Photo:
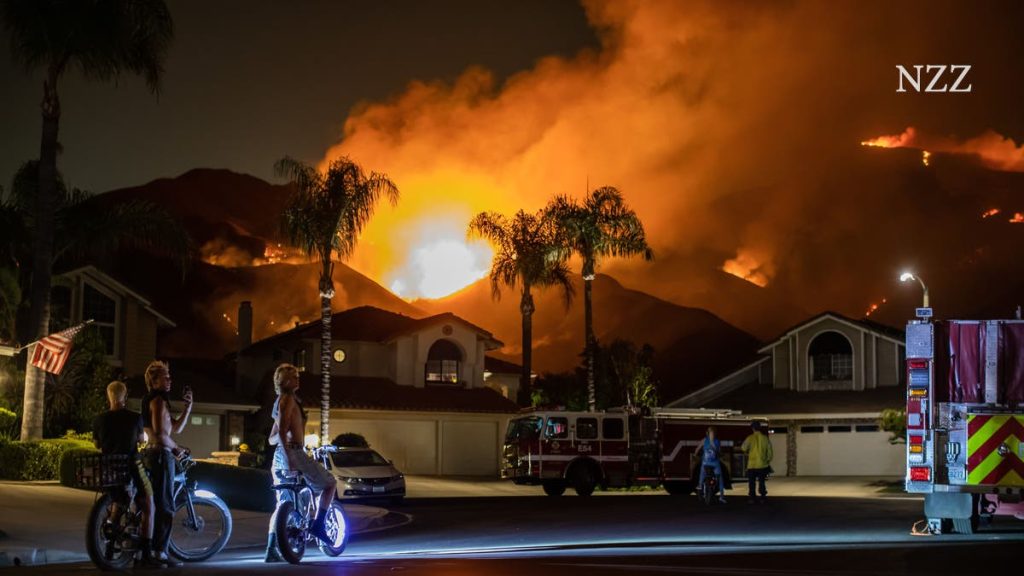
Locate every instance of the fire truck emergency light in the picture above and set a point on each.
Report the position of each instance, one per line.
(920, 474)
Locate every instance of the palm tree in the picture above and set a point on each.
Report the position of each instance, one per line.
(601, 226)
(324, 216)
(527, 254)
(102, 39)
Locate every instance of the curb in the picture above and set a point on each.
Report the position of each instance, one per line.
(27, 556)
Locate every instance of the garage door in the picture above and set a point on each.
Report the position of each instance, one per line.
(410, 444)
(201, 434)
(847, 450)
(469, 449)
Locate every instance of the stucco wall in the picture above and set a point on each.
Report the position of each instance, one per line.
(780, 359)
(889, 368)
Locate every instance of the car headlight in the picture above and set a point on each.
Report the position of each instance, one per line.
(350, 479)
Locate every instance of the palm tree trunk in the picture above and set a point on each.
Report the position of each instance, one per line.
(42, 256)
(588, 315)
(325, 367)
(526, 308)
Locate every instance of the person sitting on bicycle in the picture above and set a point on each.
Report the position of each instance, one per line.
(119, 431)
(162, 451)
(290, 425)
(280, 460)
(710, 451)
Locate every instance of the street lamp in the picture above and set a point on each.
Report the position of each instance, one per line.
(908, 276)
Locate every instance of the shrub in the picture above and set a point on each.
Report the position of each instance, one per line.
(7, 420)
(66, 472)
(240, 487)
(350, 440)
(35, 459)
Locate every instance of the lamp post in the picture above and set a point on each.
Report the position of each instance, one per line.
(909, 276)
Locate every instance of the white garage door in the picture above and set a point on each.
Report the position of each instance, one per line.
(847, 450)
(469, 449)
(410, 444)
(201, 434)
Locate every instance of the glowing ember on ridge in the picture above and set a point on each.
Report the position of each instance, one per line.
(1017, 218)
(990, 213)
(925, 155)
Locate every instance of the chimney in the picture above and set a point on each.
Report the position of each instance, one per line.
(244, 324)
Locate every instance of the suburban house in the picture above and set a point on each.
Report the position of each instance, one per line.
(126, 320)
(822, 385)
(129, 326)
(422, 391)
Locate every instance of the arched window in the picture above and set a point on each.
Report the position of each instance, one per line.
(443, 363)
(831, 358)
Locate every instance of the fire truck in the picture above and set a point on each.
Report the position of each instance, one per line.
(559, 449)
(965, 419)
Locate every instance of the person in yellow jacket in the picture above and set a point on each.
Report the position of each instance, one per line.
(758, 449)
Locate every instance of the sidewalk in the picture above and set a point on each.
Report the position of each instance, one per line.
(44, 523)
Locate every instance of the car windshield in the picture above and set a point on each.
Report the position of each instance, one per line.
(523, 428)
(345, 459)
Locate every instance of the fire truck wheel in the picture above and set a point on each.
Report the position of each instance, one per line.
(583, 480)
(554, 488)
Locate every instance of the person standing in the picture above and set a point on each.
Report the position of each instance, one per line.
(710, 451)
(162, 451)
(119, 431)
(758, 448)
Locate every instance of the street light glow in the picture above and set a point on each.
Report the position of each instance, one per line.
(907, 276)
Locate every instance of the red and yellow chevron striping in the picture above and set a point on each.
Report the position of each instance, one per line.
(986, 434)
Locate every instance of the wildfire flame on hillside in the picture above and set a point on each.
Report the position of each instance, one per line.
(748, 267)
(1017, 218)
(995, 151)
(989, 213)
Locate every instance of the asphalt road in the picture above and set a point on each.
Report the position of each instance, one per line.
(632, 534)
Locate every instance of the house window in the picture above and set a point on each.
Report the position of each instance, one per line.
(840, 428)
(102, 310)
(299, 359)
(867, 428)
(812, 429)
(443, 363)
(586, 428)
(831, 358)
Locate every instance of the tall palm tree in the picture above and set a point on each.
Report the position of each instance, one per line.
(102, 39)
(602, 225)
(528, 255)
(324, 216)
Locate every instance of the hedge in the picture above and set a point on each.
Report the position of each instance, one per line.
(35, 459)
(67, 464)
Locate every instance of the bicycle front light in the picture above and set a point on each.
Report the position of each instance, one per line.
(205, 494)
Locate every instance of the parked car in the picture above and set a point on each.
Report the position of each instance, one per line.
(364, 473)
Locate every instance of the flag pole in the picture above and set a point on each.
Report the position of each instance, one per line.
(34, 342)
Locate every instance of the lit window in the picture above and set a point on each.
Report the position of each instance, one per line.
(443, 363)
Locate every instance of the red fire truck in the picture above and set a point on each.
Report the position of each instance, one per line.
(584, 450)
(965, 420)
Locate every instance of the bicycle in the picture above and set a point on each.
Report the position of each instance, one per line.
(295, 513)
(707, 490)
(201, 526)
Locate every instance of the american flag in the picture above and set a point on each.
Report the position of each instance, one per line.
(52, 352)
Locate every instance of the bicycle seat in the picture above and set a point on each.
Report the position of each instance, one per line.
(287, 477)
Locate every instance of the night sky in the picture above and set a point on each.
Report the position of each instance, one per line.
(733, 128)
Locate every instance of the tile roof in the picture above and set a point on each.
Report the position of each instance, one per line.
(212, 382)
(870, 325)
(368, 324)
(499, 366)
(363, 393)
(757, 398)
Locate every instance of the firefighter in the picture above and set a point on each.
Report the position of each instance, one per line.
(758, 448)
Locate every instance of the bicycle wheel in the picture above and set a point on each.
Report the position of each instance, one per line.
(194, 539)
(291, 537)
(337, 531)
(109, 547)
